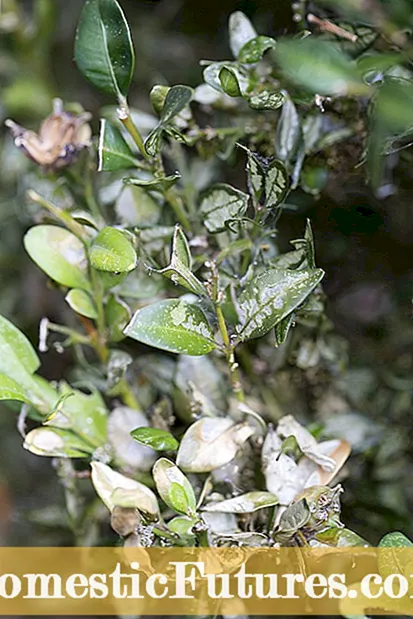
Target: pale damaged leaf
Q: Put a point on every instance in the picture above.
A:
(222, 204)
(211, 443)
(244, 504)
(117, 489)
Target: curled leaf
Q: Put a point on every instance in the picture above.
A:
(173, 487)
(211, 443)
(116, 489)
(244, 503)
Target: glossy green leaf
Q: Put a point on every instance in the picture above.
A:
(60, 254)
(319, 66)
(271, 296)
(56, 443)
(254, 49)
(229, 82)
(103, 47)
(156, 184)
(16, 351)
(173, 487)
(117, 314)
(222, 204)
(81, 303)
(113, 151)
(395, 540)
(177, 98)
(241, 31)
(174, 325)
(179, 268)
(276, 184)
(158, 439)
(10, 390)
(282, 329)
(266, 100)
(112, 251)
(244, 503)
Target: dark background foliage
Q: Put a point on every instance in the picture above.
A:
(364, 244)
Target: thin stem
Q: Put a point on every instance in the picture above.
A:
(60, 214)
(230, 356)
(176, 203)
(126, 119)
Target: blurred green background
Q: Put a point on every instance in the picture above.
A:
(364, 244)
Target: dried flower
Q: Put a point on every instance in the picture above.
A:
(62, 136)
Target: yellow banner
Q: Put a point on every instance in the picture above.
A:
(206, 581)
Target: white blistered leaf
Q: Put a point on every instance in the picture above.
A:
(128, 453)
(116, 489)
(281, 472)
(211, 443)
(337, 450)
(244, 503)
(241, 31)
(288, 426)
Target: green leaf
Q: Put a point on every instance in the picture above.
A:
(56, 443)
(103, 47)
(176, 100)
(319, 66)
(153, 141)
(81, 303)
(212, 75)
(271, 296)
(156, 184)
(173, 487)
(282, 329)
(394, 105)
(113, 151)
(395, 540)
(229, 82)
(222, 204)
(179, 268)
(266, 100)
(254, 49)
(117, 314)
(241, 31)
(174, 325)
(244, 503)
(111, 251)
(84, 414)
(16, 351)
(276, 184)
(10, 390)
(158, 439)
(60, 254)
